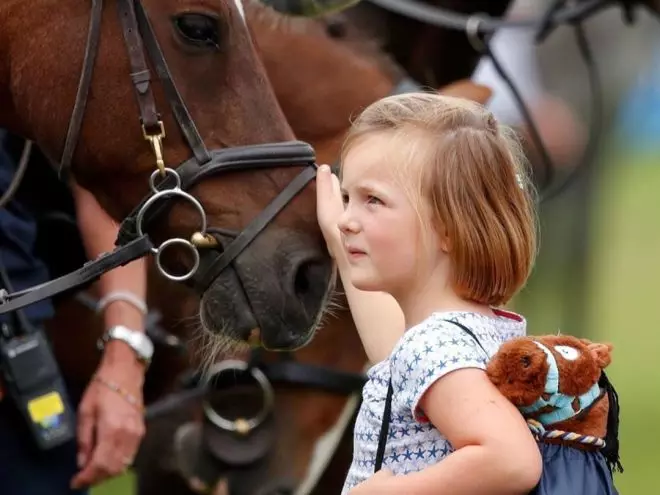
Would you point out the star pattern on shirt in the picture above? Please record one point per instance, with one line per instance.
(423, 355)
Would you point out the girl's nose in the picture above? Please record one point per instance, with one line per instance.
(347, 223)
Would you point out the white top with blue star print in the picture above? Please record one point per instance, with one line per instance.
(424, 354)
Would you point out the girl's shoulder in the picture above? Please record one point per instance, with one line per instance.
(441, 328)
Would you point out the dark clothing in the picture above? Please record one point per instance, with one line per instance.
(24, 469)
(18, 232)
(570, 471)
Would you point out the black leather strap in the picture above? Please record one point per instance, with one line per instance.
(239, 158)
(84, 83)
(82, 277)
(183, 118)
(311, 376)
(249, 233)
(140, 75)
(285, 372)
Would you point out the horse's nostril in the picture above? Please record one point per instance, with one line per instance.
(307, 273)
(301, 280)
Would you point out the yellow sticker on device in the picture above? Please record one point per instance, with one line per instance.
(45, 407)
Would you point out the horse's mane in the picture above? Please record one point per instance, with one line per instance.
(611, 449)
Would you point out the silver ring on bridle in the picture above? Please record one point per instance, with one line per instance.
(175, 190)
(242, 426)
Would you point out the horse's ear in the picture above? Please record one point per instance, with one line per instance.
(308, 8)
(465, 88)
(602, 354)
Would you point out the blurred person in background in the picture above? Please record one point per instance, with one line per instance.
(561, 132)
(110, 421)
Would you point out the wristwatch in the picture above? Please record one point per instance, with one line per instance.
(138, 341)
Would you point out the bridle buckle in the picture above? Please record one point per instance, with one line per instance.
(156, 141)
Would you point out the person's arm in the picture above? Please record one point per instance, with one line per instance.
(99, 231)
(377, 316)
(495, 453)
(110, 416)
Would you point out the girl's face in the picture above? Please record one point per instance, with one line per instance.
(381, 229)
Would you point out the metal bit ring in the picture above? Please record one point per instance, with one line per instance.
(171, 242)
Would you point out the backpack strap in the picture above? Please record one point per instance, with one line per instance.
(384, 428)
(387, 411)
(470, 333)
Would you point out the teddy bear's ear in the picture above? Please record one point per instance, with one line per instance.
(586, 342)
(601, 354)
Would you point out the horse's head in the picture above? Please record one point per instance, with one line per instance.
(527, 368)
(280, 281)
(326, 69)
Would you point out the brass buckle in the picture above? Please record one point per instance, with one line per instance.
(156, 141)
(203, 240)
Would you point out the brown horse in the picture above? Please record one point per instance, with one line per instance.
(323, 72)
(222, 99)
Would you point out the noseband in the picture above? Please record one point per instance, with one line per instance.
(133, 241)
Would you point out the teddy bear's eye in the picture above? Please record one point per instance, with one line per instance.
(568, 353)
(525, 361)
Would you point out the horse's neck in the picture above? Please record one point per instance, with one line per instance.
(593, 423)
(5, 95)
(319, 82)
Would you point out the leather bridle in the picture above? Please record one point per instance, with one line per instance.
(133, 241)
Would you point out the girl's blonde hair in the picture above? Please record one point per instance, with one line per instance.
(472, 185)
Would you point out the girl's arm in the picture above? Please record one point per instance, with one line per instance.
(495, 451)
(489, 434)
(377, 316)
(438, 375)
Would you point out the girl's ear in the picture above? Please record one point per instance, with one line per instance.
(443, 240)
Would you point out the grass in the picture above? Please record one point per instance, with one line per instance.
(622, 300)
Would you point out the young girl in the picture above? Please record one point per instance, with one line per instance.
(437, 230)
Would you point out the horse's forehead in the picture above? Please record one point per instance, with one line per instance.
(561, 340)
(241, 10)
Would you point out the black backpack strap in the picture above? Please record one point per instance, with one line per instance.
(384, 428)
(470, 333)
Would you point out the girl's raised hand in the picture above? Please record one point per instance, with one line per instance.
(329, 207)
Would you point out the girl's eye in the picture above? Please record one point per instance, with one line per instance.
(374, 200)
(344, 198)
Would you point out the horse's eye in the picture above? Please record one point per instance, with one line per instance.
(198, 29)
(568, 353)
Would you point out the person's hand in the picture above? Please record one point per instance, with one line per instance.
(329, 207)
(376, 485)
(110, 421)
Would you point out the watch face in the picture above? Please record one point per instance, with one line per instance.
(149, 347)
(138, 341)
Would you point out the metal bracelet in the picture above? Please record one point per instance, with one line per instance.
(122, 295)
